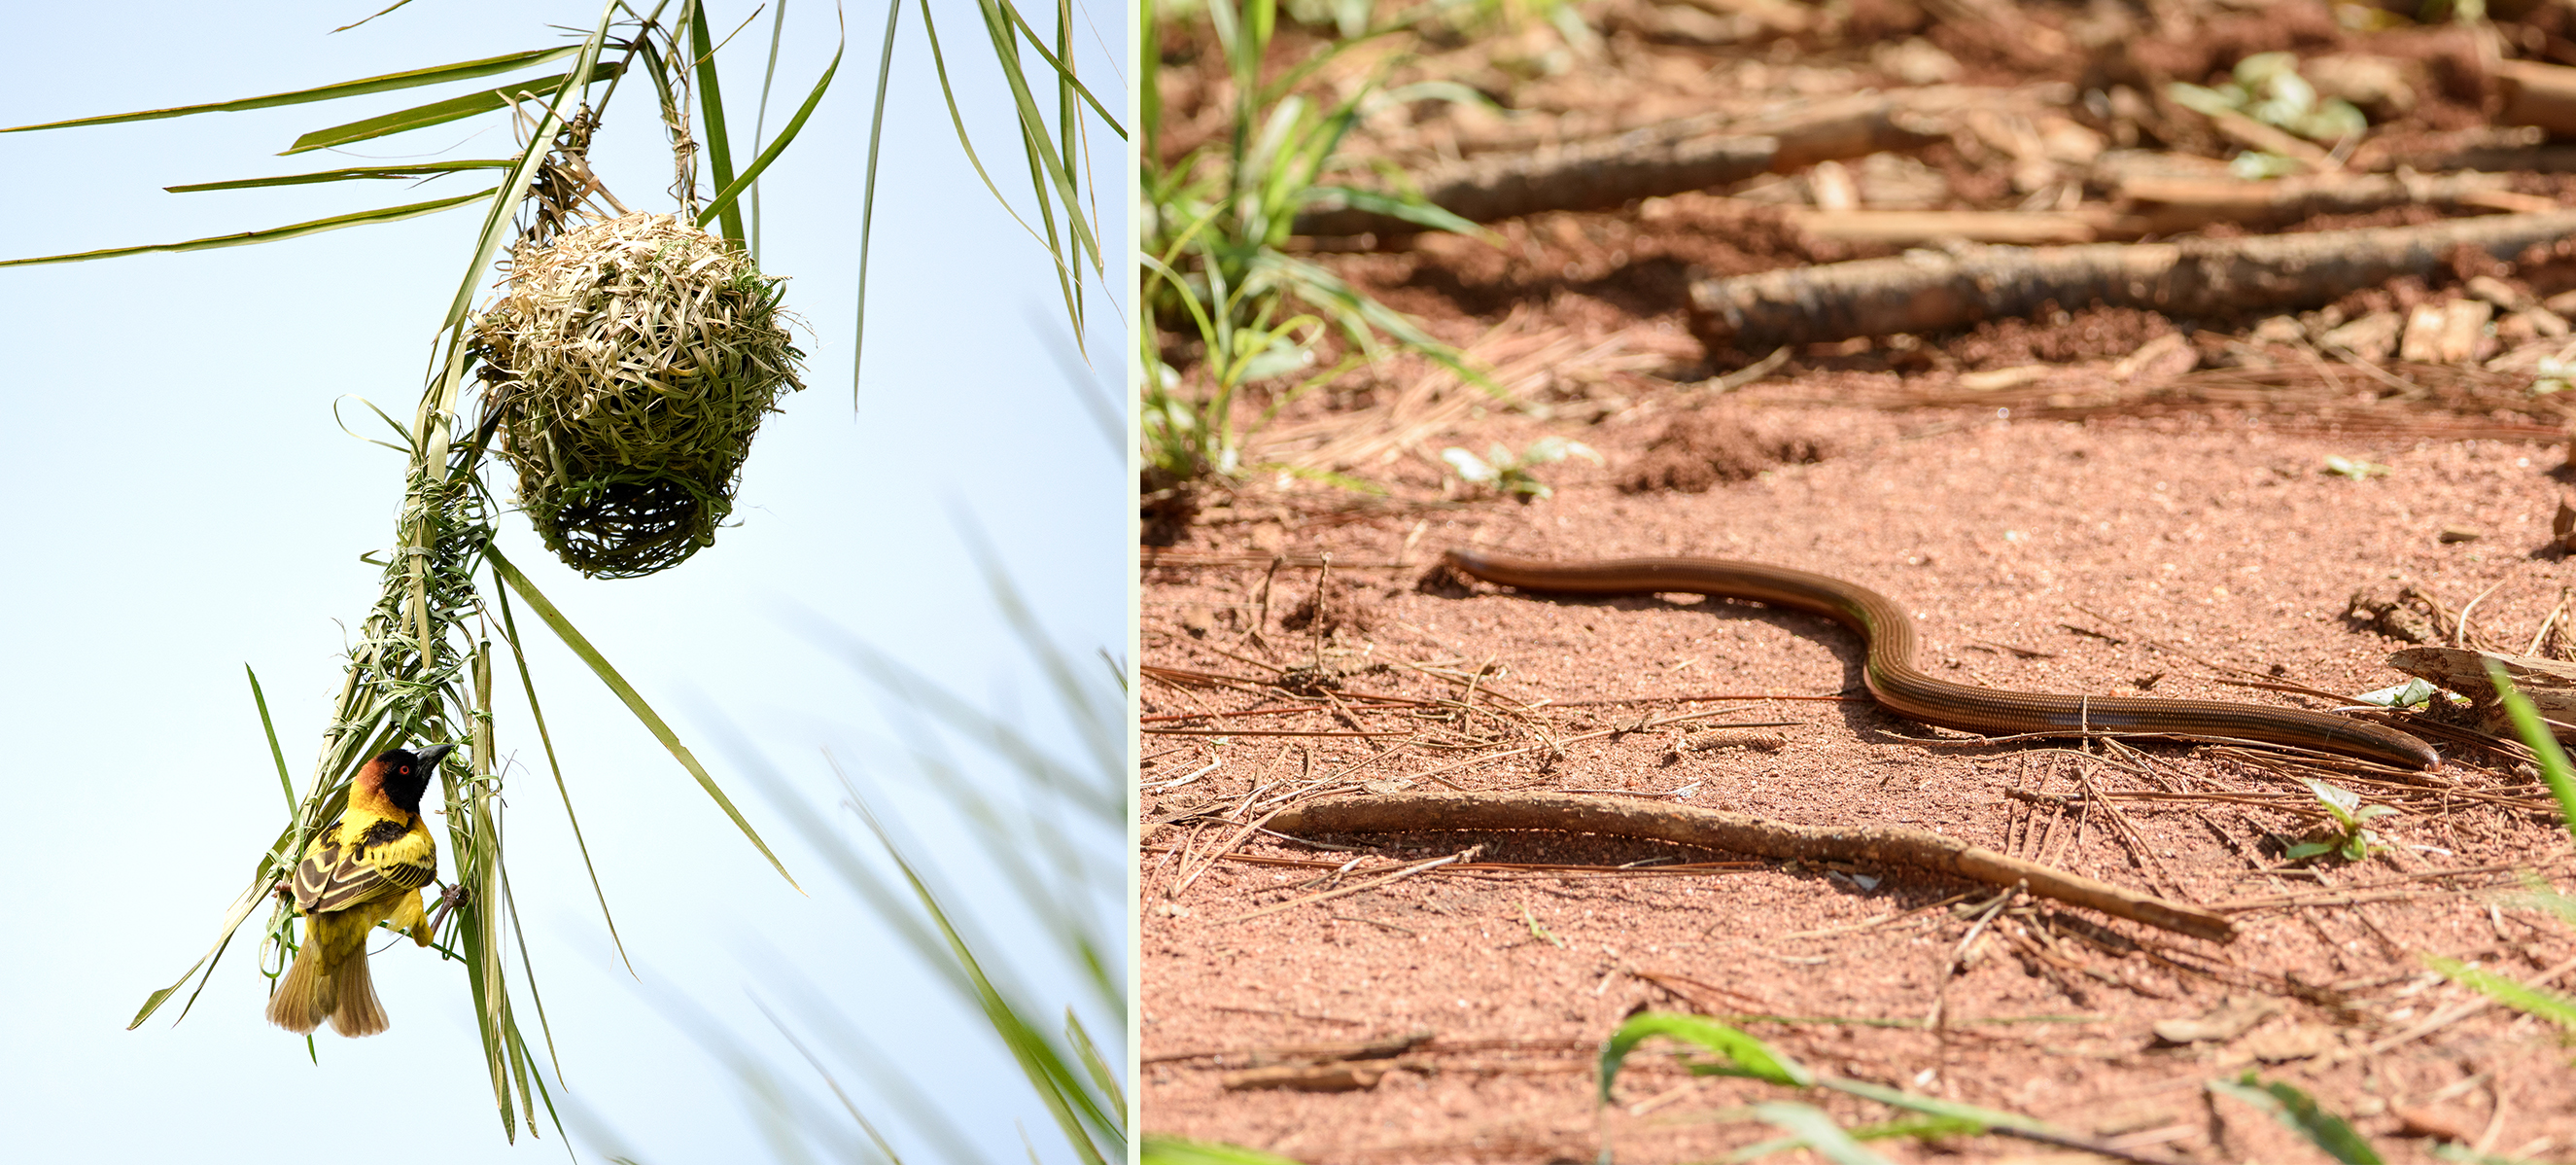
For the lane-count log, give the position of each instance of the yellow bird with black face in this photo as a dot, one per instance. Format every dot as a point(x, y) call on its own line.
point(367, 867)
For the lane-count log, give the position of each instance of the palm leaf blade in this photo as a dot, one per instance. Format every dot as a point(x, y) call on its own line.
point(461, 71)
point(634, 701)
point(271, 235)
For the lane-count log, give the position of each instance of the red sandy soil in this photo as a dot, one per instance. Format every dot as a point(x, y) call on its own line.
point(2075, 543)
point(2166, 542)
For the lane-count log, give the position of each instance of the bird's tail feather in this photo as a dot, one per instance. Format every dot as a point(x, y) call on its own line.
point(357, 1012)
point(298, 1005)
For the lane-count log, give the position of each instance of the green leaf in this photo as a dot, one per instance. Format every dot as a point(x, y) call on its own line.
point(2203, 100)
point(496, 221)
point(2301, 1114)
point(711, 119)
point(1055, 1081)
point(760, 119)
point(436, 112)
point(269, 728)
point(510, 635)
point(1033, 127)
point(242, 906)
point(2513, 993)
point(725, 197)
point(2554, 767)
point(1949, 1110)
point(939, 65)
point(1470, 467)
point(627, 695)
point(436, 74)
point(1158, 1149)
point(1414, 210)
point(1102, 1076)
point(424, 170)
point(1817, 1132)
point(2406, 695)
point(2338, 801)
point(1062, 73)
point(868, 193)
point(271, 235)
point(1748, 1056)
point(372, 15)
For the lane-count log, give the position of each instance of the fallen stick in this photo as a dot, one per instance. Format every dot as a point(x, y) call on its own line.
point(2487, 158)
point(1923, 292)
point(1466, 855)
point(2549, 684)
point(1891, 845)
point(2537, 94)
point(1607, 172)
point(1904, 227)
point(2174, 205)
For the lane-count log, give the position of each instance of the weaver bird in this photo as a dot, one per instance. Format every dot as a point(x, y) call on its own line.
point(367, 867)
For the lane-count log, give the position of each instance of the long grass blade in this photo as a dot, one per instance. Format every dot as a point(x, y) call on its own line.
point(1055, 61)
point(939, 62)
point(1944, 1110)
point(1816, 1132)
point(423, 170)
point(634, 701)
point(1075, 1109)
point(868, 193)
point(2555, 768)
point(1149, 79)
point(995, 732)
point(2513, 993)
point(1415, 211)
point(2301, 1114)
point(528, 971)
point(760, 124)
point(435, 74)
point(1746, 1055)
point(725, 197)
point(240, 909)
point(271, 235)
point(887, 1074)
point(848, 1104)
point(435, 113)
point(496, 220)
point(1102, 1077)
point(268, 727)
point(1033, 145)
point(1033, 124)
point(711, 118)
point(1163, 1149)
point(372, 15)
point(510, 635)
point(191, 1005)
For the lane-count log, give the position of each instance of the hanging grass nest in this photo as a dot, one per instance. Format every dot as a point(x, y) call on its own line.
point(630, 362)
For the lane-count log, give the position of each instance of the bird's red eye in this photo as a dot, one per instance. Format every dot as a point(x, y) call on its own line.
point(406, 770)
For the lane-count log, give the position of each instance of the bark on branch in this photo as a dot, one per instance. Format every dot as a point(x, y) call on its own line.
point(1643, 163)
point(1924, 291)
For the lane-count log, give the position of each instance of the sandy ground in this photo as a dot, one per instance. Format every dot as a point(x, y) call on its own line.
point(2092, 527)
point(2039, 556)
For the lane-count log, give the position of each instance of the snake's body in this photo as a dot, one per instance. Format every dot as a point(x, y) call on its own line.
point(1907, 691)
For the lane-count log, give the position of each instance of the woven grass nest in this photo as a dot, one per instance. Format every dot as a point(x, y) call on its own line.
point(631, 361)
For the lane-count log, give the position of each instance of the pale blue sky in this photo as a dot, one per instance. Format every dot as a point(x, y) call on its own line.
point(188, 504)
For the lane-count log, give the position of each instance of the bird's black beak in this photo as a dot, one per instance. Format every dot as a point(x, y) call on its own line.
point(429, 757)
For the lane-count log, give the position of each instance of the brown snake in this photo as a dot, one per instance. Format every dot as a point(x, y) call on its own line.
point(1907, 691)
